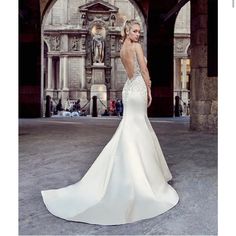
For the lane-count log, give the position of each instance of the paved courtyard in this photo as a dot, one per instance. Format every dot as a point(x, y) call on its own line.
point(56, 152)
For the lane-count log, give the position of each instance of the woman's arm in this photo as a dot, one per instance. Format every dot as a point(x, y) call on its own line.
point(142, 64)
point(144, 70)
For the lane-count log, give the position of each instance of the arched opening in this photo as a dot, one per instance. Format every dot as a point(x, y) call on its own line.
point(160, 36)
point(181, 75)
point(68, 30)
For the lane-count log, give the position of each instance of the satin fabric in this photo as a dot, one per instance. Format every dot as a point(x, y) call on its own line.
point(128, 180)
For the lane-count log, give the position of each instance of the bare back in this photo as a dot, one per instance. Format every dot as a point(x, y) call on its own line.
point(127, 54)
point(133, 59)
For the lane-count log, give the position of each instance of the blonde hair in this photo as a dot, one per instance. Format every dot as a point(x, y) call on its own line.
point(127, 26)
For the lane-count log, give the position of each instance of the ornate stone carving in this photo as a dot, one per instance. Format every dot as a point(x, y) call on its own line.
point(98, 17)
point(88, 52)
point(90, 18)
point(55, 43)
point(113, 43)
point(108, 77)
point(75, 43)
point(83, 42)
point(98, 10)
point(119, 44)
point(89, 77)
point(108, 51)
point(179, 46)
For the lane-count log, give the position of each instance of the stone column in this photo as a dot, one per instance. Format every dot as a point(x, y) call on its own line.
point(113, 74)
point(184, 73)
point(61, 72)
point(177, 69)
point(203, 101)
point(50, 73)
point(83, 79)
point(63, 77)
point(65, 73)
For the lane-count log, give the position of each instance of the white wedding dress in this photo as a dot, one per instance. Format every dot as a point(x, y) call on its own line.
point(128, 180)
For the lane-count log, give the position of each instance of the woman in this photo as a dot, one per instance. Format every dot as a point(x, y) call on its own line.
point(128, 180)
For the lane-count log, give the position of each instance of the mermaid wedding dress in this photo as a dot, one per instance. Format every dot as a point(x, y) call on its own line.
point(128, 180)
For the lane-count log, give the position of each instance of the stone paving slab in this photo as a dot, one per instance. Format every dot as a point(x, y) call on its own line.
point(56, 152)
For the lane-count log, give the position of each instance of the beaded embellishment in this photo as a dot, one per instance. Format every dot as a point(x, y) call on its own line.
point(135, 84)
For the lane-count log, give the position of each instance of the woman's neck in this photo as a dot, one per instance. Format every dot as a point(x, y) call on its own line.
point(128, 41)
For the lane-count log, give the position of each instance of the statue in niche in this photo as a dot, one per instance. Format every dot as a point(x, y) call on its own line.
point(113, 19)
point(83, 17)
point(98, 44)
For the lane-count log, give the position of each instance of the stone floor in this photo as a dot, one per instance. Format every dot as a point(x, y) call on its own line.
point(55, 152)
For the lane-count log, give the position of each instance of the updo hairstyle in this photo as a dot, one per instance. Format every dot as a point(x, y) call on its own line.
point(127, 26)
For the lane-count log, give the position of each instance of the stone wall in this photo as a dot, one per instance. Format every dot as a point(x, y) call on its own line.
point(203, 103)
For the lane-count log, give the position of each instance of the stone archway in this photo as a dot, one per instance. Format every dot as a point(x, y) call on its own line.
point(160, 47)
point(182, 60)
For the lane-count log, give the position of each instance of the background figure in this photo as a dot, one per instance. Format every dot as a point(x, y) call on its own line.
point(59, 106)
point(180, 109)
point(185, 109)
point(53, 107)
point(113, 107)
point(67, 104)
point(118, 107)
point(106, 113)
point(98, 48)
point(177, 113)
point(83, 113)
point(48, 106)
point(77, 106)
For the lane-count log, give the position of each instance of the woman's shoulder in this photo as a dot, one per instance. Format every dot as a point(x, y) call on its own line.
point(137, 46)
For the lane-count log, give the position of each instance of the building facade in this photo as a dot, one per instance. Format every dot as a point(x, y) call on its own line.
point(82, 40)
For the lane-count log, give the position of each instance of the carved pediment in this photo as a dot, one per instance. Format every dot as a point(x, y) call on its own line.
point(98, 6)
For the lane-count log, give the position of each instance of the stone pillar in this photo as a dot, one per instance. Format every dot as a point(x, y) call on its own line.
point(203, 101)
point(50, 73)
point(160, 59)
point(113, 74)
point(100, 91)
point(65, 73)
point(61, 69)
point(184, 73)
point(177, 74)
point(83, 77)
point(98, 74)
point(63, 80)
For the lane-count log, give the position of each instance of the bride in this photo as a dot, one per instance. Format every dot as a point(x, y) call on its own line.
point(129, 179)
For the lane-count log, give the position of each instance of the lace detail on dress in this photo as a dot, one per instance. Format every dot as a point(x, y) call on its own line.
point(137, 71)
point(136, 84)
